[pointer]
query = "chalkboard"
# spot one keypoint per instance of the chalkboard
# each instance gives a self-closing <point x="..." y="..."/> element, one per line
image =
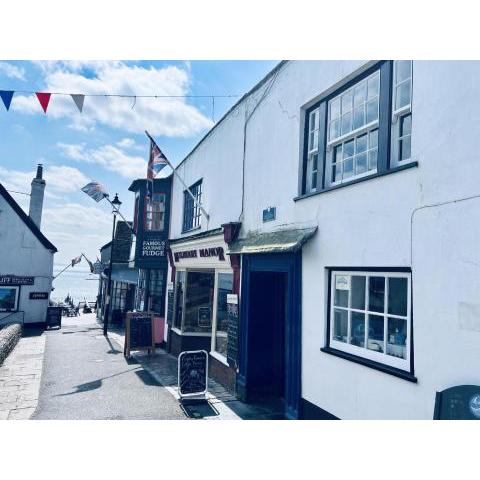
<point x="139" y="333"/>
<point x="232" y="330"/>
<point x="193" y="373"/>
<point x="458" y="403"/>
<point x="54" y="317"/>
<point x="170" y="298"/>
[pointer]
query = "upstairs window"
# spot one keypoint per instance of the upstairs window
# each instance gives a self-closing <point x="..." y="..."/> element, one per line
<point x="191" y="210"/>
<point x="347" y="133"/>
<point x="155" y="212"/>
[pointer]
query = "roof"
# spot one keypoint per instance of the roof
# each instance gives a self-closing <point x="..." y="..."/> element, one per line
<point x="27" y="220"/>
<point x="140" y="181"/>
<point x="196" y="236"/>
<point x="273" y="242"/>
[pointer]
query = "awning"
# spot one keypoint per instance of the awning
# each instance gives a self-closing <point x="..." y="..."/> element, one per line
<point x="280" y="241"/>
<point x="125" y="275"/>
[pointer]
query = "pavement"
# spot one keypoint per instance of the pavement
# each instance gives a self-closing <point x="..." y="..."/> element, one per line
<point x="86" y="376"/>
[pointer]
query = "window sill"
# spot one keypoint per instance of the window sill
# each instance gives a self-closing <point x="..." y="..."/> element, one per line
<point x="396" y="372"/>
<point x="358" y="180"/>
<point x="219" y="357"/>
<point x="192" y="230"/>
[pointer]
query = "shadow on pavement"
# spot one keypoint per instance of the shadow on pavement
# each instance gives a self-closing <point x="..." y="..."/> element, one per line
<point x="198" y="409"/>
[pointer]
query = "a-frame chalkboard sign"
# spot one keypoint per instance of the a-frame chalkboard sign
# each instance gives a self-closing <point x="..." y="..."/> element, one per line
<point x="139" y="332"/>
<point x="193" y="374"/>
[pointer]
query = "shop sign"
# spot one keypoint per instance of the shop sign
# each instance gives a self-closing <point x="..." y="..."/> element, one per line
<point x="139" y="332"/>
<point x="458" y="403"/>
<point x="16" y="280"/>
<point x="342" y="282"/>
<point x="38" y="296"/>
<point x="201" y="253"/>
<point x="153" y="248"/>
<point x="270" y="214"/>
<point x="193" y="373"/>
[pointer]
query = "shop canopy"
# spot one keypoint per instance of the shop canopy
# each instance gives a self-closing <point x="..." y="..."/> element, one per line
<point x="124" y="275"/>
<point x="280" y="241"/>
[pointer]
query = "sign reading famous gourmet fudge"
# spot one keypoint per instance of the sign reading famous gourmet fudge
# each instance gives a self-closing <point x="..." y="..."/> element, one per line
<point x="154" y="247"/>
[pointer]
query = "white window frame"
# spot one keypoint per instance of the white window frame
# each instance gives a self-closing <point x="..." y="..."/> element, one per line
<point x="396" y="116"/>
<point x="213" y="351"/>
<point x="17" y="298"/>
<point x="383" y="358"/>
<point x="352" y="135"/>
<point x="312" y="150"/>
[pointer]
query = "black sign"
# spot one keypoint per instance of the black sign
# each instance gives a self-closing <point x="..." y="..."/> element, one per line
<point x="38" y="296"/>
<point x="201" y="252"/>
<point x="16" y="280"/>
<point x="269" y="214"/>
<point x="170" y="297"/>
<point x="232" y="330"/>
<point x="153" y="247"/>
<point x="140" y="332"/>
<point x="458" y="403"/>
<point x="54" y="317"/>
<point x="204" y="317"/>
<point x="192" y="373"/>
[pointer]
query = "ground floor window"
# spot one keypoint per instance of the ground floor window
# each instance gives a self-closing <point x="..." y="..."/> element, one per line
<point x="140" y="294"/>
<point x="369" y="315"/>
<point x="179" y="297"/>
<point x="155" y="291"/>
<point x="224" y="287"/>
<point x="8" y="299"/>
<point x="199" y="301"/>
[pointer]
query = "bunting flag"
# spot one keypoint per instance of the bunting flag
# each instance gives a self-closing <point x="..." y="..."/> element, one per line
<point x="6" y="97"/>
<point x="44" y="99"/>
<point x="78" y="99"/>
<point x="76" y="260"/>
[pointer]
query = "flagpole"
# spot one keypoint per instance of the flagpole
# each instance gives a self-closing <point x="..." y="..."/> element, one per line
<point x="207" y="216"/>
<point x="61" y="271"/>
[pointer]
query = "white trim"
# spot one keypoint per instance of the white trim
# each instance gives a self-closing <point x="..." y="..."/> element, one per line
<point x="17" y="298"/>
<point x="219" y="357"/>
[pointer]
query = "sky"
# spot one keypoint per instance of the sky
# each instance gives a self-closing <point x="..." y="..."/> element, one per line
<point x="106" y="142"/>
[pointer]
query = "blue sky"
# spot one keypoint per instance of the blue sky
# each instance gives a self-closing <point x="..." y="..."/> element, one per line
<point x="106" y="142"/>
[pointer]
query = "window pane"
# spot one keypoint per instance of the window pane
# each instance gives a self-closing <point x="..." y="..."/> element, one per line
<point x="405" y="125"/>
<point x="397" y="296"/>
<point x="340" y="325"/>
<point x="403" y="69"/>
<point x="376" y="294"/>
<point x="360" y="163"/>
<point x="397" y="338"/>
<point x="156" y="291"/>
<point x="373" y="139"/>
<point x="359" y="117"/>
<point x="348" y="168"/>
<point x="361" y="144"/>
<point x="402" y="95"/>
<point x="335" y="109"/>
<point x="199" y="302"/>
<point x="372" y="110"/>
<point x="179" y="292"/>
<point x="225" y="286"/>
<point x="405" y="148"/>
<point x="372" y="159"/>
<point x="360" y="94"/>
<point x="375" y="333"/>
<point x="313" y="185"/>
<point x="8" y="298"/>
<point x="336" y="172"/>
<point x="358" y="292"/>
<point x="346" y="123"/>
<point x="342" y="287"/>
<point x="334" y="129"/>
<point x="337" y="154"/>
<point x="358" y="329"/>
<point x="373" y="87"/>
<point x="348" y="148"/>
<point x="347" y="102"/>
<point x="313" y="120"/>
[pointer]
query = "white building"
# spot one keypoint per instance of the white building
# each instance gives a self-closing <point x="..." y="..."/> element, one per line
<point x="26" y="258"/>
<point x="356" y="185"/>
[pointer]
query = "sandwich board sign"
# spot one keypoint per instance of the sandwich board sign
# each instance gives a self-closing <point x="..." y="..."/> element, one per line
<point x="193" y="374"/>
<point x="139" y="332"/>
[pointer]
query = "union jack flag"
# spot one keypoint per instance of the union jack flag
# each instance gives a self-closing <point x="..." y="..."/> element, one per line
<point x="157" y="160"/>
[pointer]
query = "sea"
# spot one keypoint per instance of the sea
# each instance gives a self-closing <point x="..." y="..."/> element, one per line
<point x="76" y="281"/>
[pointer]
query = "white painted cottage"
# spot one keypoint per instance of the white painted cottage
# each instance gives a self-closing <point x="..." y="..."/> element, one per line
<point x="26" y="258"/>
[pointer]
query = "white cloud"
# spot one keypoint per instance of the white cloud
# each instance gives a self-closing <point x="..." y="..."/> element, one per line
<point x="130" y="144"/>
<point x="12" y="71"/>
<point x="109" y="157"/>
<point x="172" y="117"/>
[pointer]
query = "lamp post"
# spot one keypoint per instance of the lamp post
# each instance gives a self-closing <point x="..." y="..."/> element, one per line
<point x="116" y="205"/>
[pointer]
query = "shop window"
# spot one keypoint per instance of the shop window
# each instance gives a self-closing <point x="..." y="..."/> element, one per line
<point x="224" y="287"/>
<point x="346" y="133"/>
<point x="8" y="299"/>
<point x="199" y="302"/>
<point x="369" y="315"/>
<point x="155" y="291"/>
<point x="179" y="299"/>
<point x="155" y="212"/>
<point x="191" y="209"/>
<point x="140" y="291"/>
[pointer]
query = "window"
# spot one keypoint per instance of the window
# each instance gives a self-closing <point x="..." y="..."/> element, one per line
<point x="179" y="298"/>
<point x="155" y="212"/>
<point x="199" y="302"/>
<point x="224" y="287"/>
<point x="8" y="299"/>
<point x="347" y="133"/>
<point x="155" y="291"/>
<point x="191" y="209"/>
<point x="135" y="212"/>
<point x="140" y="290"/>
<point x="369" y="315"/>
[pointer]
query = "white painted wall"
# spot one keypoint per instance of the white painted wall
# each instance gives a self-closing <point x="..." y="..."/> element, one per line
<point x="367" y="224"/>
<point x="21" y="253"/>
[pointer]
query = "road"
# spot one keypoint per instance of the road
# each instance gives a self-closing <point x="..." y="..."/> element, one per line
<point x="85" y="376"/>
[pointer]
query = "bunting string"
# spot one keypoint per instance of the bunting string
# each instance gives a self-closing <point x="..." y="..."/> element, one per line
<point x="79" y="98"/>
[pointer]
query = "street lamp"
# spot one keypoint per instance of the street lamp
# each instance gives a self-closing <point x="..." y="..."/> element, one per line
<point x="116" y="206"/>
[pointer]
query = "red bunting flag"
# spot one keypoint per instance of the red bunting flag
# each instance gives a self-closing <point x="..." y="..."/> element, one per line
<point x="44" y="99"/>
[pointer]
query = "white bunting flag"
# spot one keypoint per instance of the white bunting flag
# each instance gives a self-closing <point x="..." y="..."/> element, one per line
<point x="78" y="99"/>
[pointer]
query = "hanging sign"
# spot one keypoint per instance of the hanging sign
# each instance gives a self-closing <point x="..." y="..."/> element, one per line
<point x="193" y="373"/>
<point x="139" y="332"/>
<point x="98" y="268"/>
<point x="458" y="403"/>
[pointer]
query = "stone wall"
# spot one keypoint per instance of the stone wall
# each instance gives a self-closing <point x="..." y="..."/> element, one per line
<point x="9" y="337"/>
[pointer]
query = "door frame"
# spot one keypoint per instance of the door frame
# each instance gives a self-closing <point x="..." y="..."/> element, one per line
<point x="291" y="264"/>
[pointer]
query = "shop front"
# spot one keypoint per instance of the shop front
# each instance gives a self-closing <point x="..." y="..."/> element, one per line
<point x="203" y="278"/>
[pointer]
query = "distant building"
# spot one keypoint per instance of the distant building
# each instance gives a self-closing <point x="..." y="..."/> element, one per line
<point x="26" y="258"/>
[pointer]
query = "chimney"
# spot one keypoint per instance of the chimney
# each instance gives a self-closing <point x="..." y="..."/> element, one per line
<point x="36" y="197"/>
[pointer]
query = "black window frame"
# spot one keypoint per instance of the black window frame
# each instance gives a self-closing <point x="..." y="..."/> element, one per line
<point x="397" y="372"/>
<point x="385" y="67"/>
<point x="193" y="220"/>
